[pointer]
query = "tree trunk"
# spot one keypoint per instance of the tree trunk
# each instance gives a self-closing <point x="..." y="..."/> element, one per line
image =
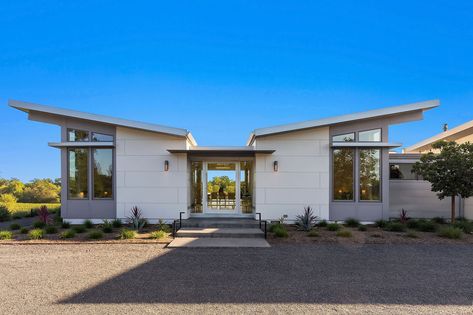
<point x="453" y="210"/>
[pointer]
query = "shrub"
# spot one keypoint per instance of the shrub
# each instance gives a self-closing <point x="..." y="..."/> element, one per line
<point x="344" y="233"/>
<point x="16" y="216"/>
<point x="306" y="221"/>
<point x="313" y="233"/>
<point x="136" y="219"/>
<point x="158" y="234"/>
<point x="411" y="234"/>
<point x="451" y="232"/>
<point x="403" y="216"/>
<point x="274" y="226"/>
<point x="50" y="229"/>
<point x="362" y="228"/>
<point x="36" y="234"/>
<point x="322" y="223"/>
<point x="67" y="234"/>
<point x="163" y="226"/>
<point x="438" y="220"/>
<point x="426" y="226"/>
<point x="79" y="229"/>
<point x="280" y="231"/>
<point x="126" y="234"/>
<point x="107" y="226"/>
<point x="88" y="224"/>
<point x="412" y="224"/>
<point x="395" y="227"/>
<point x="44" y="215"/>
<point x="95" y="235"/>
<point x="4" y="213"/>
<point x="117" y="223"/>
<point x="39" y="224"/>
<point x="465" y="226"/>
<point x="381" y="223"/>
<point x="333" y="226"/>
<point x="351" y="222"/>
<point x="15" y="226"/>
<point x="8" y="199"/>
<point x="6" y="235"/>
<point x="65" y="225"/>
<point x="24" y="230"/>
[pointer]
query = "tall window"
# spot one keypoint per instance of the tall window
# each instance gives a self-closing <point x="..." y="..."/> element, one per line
<point x="77" y="174"/>
<point x="370" y="135"/>
<point x="343" y="174"/>
<point x="103" y="173"/>
<point x="370" y="175"/>
<point x="196" y="187"/>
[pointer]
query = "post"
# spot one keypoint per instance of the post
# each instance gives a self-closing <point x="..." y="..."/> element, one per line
<point x="265" y="230"/>
<point x="174" y="228"/>
<point x="453" y="209"/>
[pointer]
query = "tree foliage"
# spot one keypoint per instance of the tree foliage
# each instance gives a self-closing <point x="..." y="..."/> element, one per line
<point x="38" y="190"/>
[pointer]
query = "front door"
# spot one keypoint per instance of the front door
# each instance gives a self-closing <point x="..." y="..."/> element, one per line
<point x="222" y="187"/>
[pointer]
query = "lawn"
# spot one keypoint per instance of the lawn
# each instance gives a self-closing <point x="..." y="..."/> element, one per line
<point x="24" y="209"/>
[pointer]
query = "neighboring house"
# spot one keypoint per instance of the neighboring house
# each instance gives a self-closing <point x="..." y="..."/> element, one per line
<point x="409" y="192"/>
<point x="339" y="166"/>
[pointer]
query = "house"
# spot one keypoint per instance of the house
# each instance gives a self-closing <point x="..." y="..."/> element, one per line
<point x="339" y="166"/>
<point x="408" y="191"/>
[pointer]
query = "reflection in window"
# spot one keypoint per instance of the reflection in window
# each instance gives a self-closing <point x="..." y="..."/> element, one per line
<point x="100" y="137"/>
<point x="75" y="135"/>
<point x="246" y="187"/>
<point x="370" y="135"/>
<point x="103" y="173"/>
<point x="343" y="174"/>
<point x="348" y="137"/>
<point x="77" y="173"/>
<point x="403" y="171"/>
<point x="196" y="187"/>
<point x="370" y="174"/>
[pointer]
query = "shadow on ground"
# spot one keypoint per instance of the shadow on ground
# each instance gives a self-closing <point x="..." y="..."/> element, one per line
<point x="375" y="274"/>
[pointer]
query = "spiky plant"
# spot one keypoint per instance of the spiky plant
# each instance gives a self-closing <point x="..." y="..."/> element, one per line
<point x="136" y="219"/>
<point x="44" y="215"/>
<point x="403" y="216"/>
<point x="307" y="220"/>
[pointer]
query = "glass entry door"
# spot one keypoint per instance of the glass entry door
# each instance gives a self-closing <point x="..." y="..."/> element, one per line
<point x="222" y="187"/>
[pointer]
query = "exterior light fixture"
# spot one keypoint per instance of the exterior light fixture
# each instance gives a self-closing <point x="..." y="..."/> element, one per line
<point x="166" y="165"/>
<point x="275" y="166"/>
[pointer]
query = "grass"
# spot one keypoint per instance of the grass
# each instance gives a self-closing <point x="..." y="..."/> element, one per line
<point x="158" y="234"/>
<point x="95" y="235"/>
<point x="50" y="229"/>
<point x="15" y="226"/>
<point x="313" y="233"/>
<point x="344" y="233"/>
<point x="351" y="222"/>
<point x="333" y="226"/>
<point x="281" y="231"/>
<point x="67" y="234"/>
<point x="21" y="209"/>
<point x="79" y="229"/>
<point x="126" y="234"/>
<point x="6" y="235"/>
<point x="274" y="226"/>
<point x="395" y="227"/>
<point x="451" y="232"/>
<point x="36" y="234"/>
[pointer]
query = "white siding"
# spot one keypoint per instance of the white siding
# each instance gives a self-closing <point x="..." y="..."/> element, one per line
<point x="141" y="179"/>
<point x="303" y="175"/>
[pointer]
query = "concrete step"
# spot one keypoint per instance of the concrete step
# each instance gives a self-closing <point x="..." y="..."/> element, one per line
<point x="220" y="232"/>
<point x="219" y="223"/>
<point x="183" y="242"/>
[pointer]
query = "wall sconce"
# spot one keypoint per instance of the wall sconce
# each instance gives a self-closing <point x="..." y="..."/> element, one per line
<point x="166" y="165"/>
<point x="275" y="166"/>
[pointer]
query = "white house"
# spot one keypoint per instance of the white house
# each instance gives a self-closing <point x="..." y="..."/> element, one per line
<point x="339" y="166"/>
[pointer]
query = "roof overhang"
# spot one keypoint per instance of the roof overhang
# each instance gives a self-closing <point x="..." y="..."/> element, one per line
<point x="80" y="144"/>
<point x="365" y="145"/>
<point x="222" y="151"/>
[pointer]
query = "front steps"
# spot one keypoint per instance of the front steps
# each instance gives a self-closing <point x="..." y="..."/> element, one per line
<point x="221" y="232"/>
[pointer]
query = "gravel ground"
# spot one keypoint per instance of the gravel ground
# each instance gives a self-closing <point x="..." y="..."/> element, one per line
<point x="148" y="279"/>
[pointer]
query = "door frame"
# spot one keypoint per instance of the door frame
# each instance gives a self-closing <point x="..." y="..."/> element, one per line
<point x="205" y="208"/>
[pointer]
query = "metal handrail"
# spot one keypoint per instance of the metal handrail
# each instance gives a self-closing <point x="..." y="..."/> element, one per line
<point x="265" y="225"/>
<point x="180" y="219"/>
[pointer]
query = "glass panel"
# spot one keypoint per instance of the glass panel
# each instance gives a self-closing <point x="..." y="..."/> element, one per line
<point x="100" y="137"/>
<point x="75" y="135"/>
<point x="77" y="174"/>
<point x="103" y="173"/>
<point x="196" y="187"/>
<point x="402" y="171"/>
<point x="343" y="174"/>
<point x="370" y="174"/>
<point x="349" y="137"/>
<point x="221" y="186"/>
<point x="246" y="187"/>
<point x="370" y="135"/>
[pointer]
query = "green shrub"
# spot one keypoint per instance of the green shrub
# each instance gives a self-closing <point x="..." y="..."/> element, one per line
<point x="381" y="223"/>
<point x="438" y="220"/>
<point x="395" y="227"/>
<point x="24" y="230"/>
<point x="4" y="213"/>
<point x="117" y="223"/>
<point x="362" y="228"/>
<point x="79" y="229"/>
<point x="88" y="224"/>
<point x="163" y="226"/>
<point x="15" y="226"/>
<point x="351" y="222"/>
<point x="158" y="234"/>
<point x="36" y="234"/>
<point x="281" y="231"/>
<point x="426" y="226"/>
<point x="344" y="233"/>
<point x="50" y="229"/>
<point x="333" y="226"/>
<point x="107" y="226"/>
<point x="465" y="226"/>
<point x="67" y="234"/>
<point x="313" y="233"/>
<point x="16" y="216"/>
<point x="322" y="223"/>
<point x="65" y="225"/>
<point x="6" y="235"/>
<point x="126" y="234"/>
<point x="95" y="235"/>
<point x="411" y="234"/>
<point x="306" y="221"/>
<point x="39" y="224"/>
<point x="274" y="226"/>
<point x="412" y="224"/>
<point x="451" y="232"/>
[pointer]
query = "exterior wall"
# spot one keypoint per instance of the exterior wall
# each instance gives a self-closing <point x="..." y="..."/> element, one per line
<point x="141" y="179"/>
<point x="302" y="178"/>
<point x="468" y="208"/>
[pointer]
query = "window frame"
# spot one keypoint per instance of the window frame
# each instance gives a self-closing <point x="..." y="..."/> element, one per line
<point x="380" y="200"/>
<point x="92" y="176"/>
<point x="354" y="167"/>
<point x="417" y="177"/>
<point x="69" y="197"/>
<point x="77" y="129"/>
<point x="100" y="133"/>
<point x="343" y="134"/>
<point x="366" y="130"/>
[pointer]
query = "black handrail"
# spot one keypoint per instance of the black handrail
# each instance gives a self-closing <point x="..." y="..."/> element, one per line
<point x="259" y="214"/>
<point x="265" y="229"/>
<point x="180" y="219"/>
<point x="265" y="225"/>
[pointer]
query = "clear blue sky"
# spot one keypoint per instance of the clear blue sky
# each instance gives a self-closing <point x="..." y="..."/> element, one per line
<point x="223" y="68"/>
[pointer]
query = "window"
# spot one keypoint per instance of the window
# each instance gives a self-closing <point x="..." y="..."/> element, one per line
<point x="343" y="174"/>
<point x="100" y="137"/>
<point x="370" y="175"/>
<point x="403" y="171"/>
<point x="77" y="174"/>
<point x="196" y="187"/>
<point x="348" y="137"/>
<point x="370" y="135"/>
<point x="75" y="135"/>
<point x="103" y="173"/>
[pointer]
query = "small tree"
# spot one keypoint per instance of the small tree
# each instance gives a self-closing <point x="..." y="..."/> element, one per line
<point x="450" y="171"/>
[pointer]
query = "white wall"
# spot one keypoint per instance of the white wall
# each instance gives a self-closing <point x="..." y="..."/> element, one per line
<point x="141" y="179"/>
<point x="302" y="178"/>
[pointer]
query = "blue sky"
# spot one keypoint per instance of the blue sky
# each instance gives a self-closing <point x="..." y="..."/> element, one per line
<point x="223" y="68"/>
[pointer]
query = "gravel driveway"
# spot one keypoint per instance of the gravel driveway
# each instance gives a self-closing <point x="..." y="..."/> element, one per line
<point x="300" y="279"/>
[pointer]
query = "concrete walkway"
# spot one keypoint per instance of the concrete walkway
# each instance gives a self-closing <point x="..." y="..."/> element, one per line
<point x="218" y="242"/>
